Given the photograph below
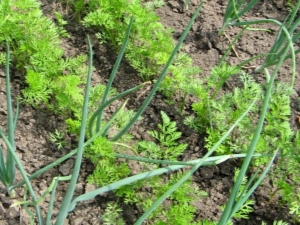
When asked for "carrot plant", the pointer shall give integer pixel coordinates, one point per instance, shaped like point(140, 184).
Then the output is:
point(150, 46)
point(152, 42)
point(277, 134)
point(38, 55)
point(155, 4)
point(178, 83)
point(216, 114)
point(58, 138)
point(61, 23)
point(95, 130)
point(167, 136)
point(109, 170)
point(112, 215)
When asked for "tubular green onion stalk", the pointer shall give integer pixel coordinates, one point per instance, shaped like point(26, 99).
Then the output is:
point(234, 10)
point(7, 170)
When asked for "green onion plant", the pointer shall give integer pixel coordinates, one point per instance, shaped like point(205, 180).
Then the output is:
point(234, 10)
point(7, 169)
point(286, 37)
point(282, 41)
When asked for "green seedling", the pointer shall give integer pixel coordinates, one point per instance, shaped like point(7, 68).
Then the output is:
point(167, 137)
point(2, 58)
point(290, 4)
point(121, 120)
point(78, 7)
point(178, 83)
point(151, 43)
point(58, 138)
point(112, 215)
point(61, 23)
point(155, 4)
point(295, 207)
point(219, 75)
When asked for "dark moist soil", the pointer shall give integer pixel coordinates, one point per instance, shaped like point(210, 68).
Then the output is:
point(36, 150)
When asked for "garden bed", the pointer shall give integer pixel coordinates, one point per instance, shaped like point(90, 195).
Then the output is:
point(206, 48)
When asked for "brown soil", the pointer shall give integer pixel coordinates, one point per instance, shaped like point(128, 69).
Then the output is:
point(36, 150)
